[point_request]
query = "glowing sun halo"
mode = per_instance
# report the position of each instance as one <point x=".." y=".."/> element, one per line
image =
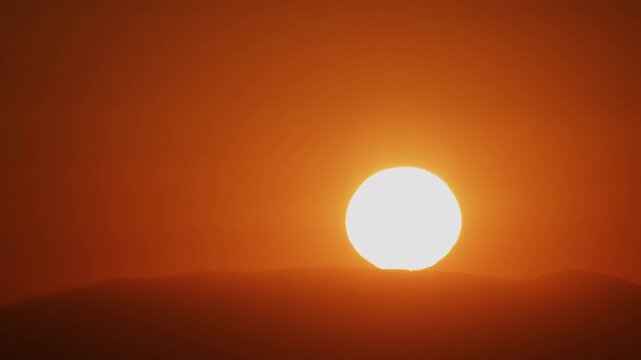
<point x="403" y="218"/>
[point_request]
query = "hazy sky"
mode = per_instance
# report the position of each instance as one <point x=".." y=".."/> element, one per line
<point x="151" y="138"/>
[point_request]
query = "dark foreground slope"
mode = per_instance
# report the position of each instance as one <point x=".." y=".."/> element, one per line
<point x="330" y="314"/>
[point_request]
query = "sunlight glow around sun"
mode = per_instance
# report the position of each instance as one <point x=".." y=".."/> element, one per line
<point x="403" y="218"/>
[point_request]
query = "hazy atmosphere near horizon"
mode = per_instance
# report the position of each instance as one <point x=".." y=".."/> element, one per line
<point x="156" y="138"/>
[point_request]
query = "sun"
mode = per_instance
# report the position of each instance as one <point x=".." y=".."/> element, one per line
<point x="403" y="218"/>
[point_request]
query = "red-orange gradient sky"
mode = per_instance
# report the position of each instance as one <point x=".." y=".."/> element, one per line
<point x="151" y="138"/>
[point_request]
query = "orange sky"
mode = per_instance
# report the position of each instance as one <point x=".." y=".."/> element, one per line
<point x="151" y="139"/>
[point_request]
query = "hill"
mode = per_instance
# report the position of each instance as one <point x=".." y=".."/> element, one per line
<point x="331" y="314"/>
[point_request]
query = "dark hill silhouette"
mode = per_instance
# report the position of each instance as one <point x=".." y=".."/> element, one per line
<point x="331" y="314"/>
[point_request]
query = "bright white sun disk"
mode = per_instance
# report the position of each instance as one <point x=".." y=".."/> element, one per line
<point x="403" y="218"/>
